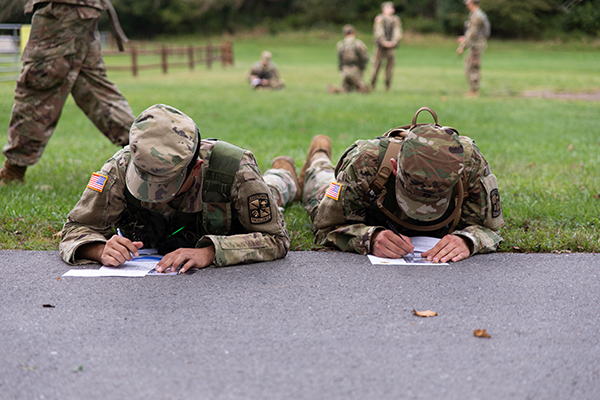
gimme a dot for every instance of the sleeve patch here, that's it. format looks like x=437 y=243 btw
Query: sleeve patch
x=495 y=203
x=259 y=208
x=333 y=192
x=97 y=182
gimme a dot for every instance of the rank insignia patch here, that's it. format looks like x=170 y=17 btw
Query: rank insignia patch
x=495 y=201
x=259 y=208
x=97 y=182
x=333 y=192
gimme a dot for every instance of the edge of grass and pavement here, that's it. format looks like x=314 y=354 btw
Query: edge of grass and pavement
x=544 y=151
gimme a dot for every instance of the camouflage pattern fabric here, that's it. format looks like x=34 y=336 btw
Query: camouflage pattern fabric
x=430 y=164
x=385 y=28
x=353 y=57
x=163 y=142
x=282 y=185
x=99 y=4
x=349 y=223
x=475 y=40
x=63 y=55
x=269 y=72
x=258 y=230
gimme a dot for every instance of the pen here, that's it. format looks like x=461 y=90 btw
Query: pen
x=178 y=230
x=121 y=234
x=410 y=256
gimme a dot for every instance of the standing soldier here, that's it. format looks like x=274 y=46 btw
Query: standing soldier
x=353 y=58
x=475 y=40
x=387 y=31
x=264 y=73
x=63 y=55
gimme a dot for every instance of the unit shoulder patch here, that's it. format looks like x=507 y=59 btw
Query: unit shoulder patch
x=495 y=202
x=259 y=208
x=97 y=182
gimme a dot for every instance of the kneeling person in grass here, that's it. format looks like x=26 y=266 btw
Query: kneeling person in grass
x=199 y=202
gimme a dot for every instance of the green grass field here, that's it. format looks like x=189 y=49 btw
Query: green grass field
x=545 y=153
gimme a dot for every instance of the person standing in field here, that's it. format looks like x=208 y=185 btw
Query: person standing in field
x=475 y=40
x=387 y=31
x=264 y=73
x=353 y=58
x=63 y=55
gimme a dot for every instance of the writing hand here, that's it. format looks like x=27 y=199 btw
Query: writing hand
x=450 y=248
x=390 y=245
x=119 y=249
x=188 y=258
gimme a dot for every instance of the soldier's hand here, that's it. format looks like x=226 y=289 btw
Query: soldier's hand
x=389 y=245
x=119 y=249
x=450 y=248
x=187 y=258
x=459 y=51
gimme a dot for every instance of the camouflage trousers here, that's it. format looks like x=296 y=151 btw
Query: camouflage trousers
x=63 y=55
x=352 y=79
x=389 y=55
x=282 y=185
x=319 y=175
x=473 y=66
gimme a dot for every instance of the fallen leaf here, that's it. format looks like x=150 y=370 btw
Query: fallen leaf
x=482 y=333
x=425 y=314
x=571 y=147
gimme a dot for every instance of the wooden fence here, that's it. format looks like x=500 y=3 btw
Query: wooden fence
x=146 y=55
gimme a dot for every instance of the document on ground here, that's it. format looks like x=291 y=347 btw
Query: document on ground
x=421 y=243
x=137 y=267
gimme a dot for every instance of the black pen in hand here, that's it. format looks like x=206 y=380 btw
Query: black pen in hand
x=410 y=256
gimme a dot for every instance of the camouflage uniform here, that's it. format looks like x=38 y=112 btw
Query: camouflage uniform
x=144 y=209
x=353 y=57
x=63 y=55
x=266 y=70
x=350 y=222
x=475 y=40
x=385 y=28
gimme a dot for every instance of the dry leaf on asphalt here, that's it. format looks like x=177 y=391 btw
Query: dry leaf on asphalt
x=481 y=333
x=425 y=314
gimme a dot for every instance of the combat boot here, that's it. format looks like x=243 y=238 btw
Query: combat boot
x=319 y=143
x=287 y=163
x=12 y=173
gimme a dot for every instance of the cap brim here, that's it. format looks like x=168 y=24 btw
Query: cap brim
x=422 y=210
x=149 y=188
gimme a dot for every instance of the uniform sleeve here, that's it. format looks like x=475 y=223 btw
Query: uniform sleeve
x=475 y=25
x=91 y=220
x=481 y=211
x=363 y=55
x=267 y=238
x=341 y=223
x=378 y=33
x=397 y=33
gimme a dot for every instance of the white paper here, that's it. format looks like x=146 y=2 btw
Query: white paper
x=421 y=244
x=135 y=268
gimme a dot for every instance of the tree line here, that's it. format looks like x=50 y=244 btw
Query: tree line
x=143 y=19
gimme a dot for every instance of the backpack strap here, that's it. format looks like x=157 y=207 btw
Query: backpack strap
x=376 y=192
x=216 y=187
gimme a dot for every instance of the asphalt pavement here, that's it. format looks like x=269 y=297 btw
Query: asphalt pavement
x=315 y=325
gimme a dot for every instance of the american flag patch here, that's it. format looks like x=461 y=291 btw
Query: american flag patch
x=333 y=192
x=97 y=182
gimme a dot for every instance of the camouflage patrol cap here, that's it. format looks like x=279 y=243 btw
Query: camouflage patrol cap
x=430 y=163
x=348 y=29
x=387 y=4
x=162 y=141
x=476 y=2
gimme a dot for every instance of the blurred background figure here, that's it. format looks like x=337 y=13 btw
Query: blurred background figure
x=264 y=73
